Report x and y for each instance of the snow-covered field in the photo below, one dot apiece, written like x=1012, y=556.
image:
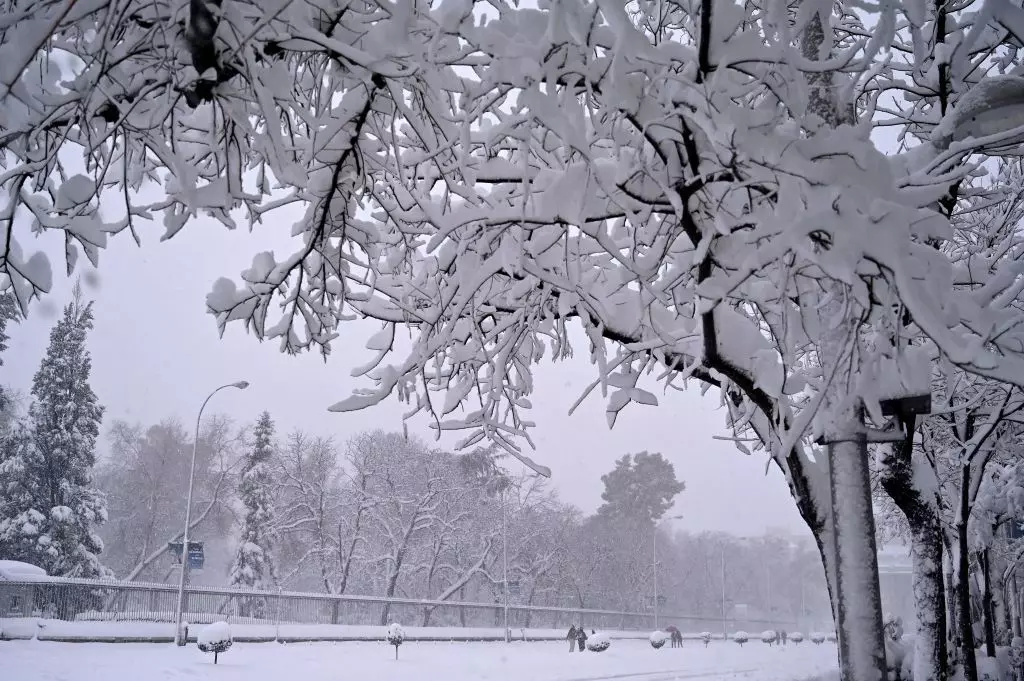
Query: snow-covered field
x=625, y=661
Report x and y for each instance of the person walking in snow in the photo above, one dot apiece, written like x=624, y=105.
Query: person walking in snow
x=581, y=638
x=784, y=636
x=572, y=638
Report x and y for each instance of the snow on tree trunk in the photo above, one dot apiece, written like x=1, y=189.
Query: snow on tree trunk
x=859, y=605
x=909, y=494
x=929, y=603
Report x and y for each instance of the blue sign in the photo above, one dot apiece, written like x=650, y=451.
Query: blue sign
x=196, y=557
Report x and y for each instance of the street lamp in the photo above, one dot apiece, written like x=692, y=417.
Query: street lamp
x=179, y=635
x=655, y=546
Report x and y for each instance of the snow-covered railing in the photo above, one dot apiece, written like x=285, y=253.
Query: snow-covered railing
x=103, y=600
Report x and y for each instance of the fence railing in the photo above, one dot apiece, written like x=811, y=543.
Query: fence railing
x=102, y=600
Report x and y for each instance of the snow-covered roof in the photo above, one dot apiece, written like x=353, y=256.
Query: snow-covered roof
x=17, y=571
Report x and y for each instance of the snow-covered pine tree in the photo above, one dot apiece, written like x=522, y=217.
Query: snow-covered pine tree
x=253, y=566
x=50, y=508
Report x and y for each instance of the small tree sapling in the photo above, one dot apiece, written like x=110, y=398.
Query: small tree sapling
x=215, y=638
x=396, y=636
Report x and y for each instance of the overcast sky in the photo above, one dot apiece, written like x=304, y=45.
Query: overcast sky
x=156, y=354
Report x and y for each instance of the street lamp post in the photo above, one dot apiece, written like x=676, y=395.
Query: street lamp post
x=504, y=557
x=179, y=635
x=725, y=622
x=655, y=547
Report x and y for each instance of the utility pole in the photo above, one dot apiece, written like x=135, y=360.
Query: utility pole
x=655, y=545
x=504, y=559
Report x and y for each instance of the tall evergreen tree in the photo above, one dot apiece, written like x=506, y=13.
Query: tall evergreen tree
x=253, y=566
x=50, y=509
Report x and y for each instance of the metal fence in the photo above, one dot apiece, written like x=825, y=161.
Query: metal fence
x=85, y=600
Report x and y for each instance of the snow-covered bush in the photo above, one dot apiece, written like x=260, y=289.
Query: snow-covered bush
x=396, y=636
x=817, y=637
x=658, y=639
x=599, y=642
x=769, y=636
x=215, y=638
x=706, y=637
x=741, y=637
x=832, y=637
x=796, y=637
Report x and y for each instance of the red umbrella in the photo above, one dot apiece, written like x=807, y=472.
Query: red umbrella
x=671, y=627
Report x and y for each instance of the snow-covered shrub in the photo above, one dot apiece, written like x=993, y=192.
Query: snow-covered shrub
x=599, y=642
x=796, y=637
x=741, y=637
x=215, y=638
x=658, y=639
x=817, y=637
x=769, y=636
x=396, y=636
x=706, y=637
x=832, y=637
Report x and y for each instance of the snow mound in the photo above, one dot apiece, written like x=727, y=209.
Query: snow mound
x=741, y=637
x=598, y=642
x=17, y=571
x=658, y=638
x=214, y=636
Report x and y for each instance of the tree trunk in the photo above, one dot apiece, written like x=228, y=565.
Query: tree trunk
x=963, y=583
x=986, y=604
x=952, y=621
x=858, y=602
x=926, y=546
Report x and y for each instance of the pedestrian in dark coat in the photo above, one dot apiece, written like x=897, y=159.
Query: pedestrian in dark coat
x=571, y=636
x=581, y=638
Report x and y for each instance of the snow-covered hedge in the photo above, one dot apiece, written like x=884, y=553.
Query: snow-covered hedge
x=598, y=642
x=741, y=637
x=796, y=637
x=832, y=637
x=215, y=638
x=769, y=636
x=817, y=637
x=658, y=639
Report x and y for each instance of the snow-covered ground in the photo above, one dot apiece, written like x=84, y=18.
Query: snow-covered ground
x=626, y=660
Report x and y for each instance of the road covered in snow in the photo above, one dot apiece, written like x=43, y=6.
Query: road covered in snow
x=624, y=661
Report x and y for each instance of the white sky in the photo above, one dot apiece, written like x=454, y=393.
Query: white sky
x=156, y=354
